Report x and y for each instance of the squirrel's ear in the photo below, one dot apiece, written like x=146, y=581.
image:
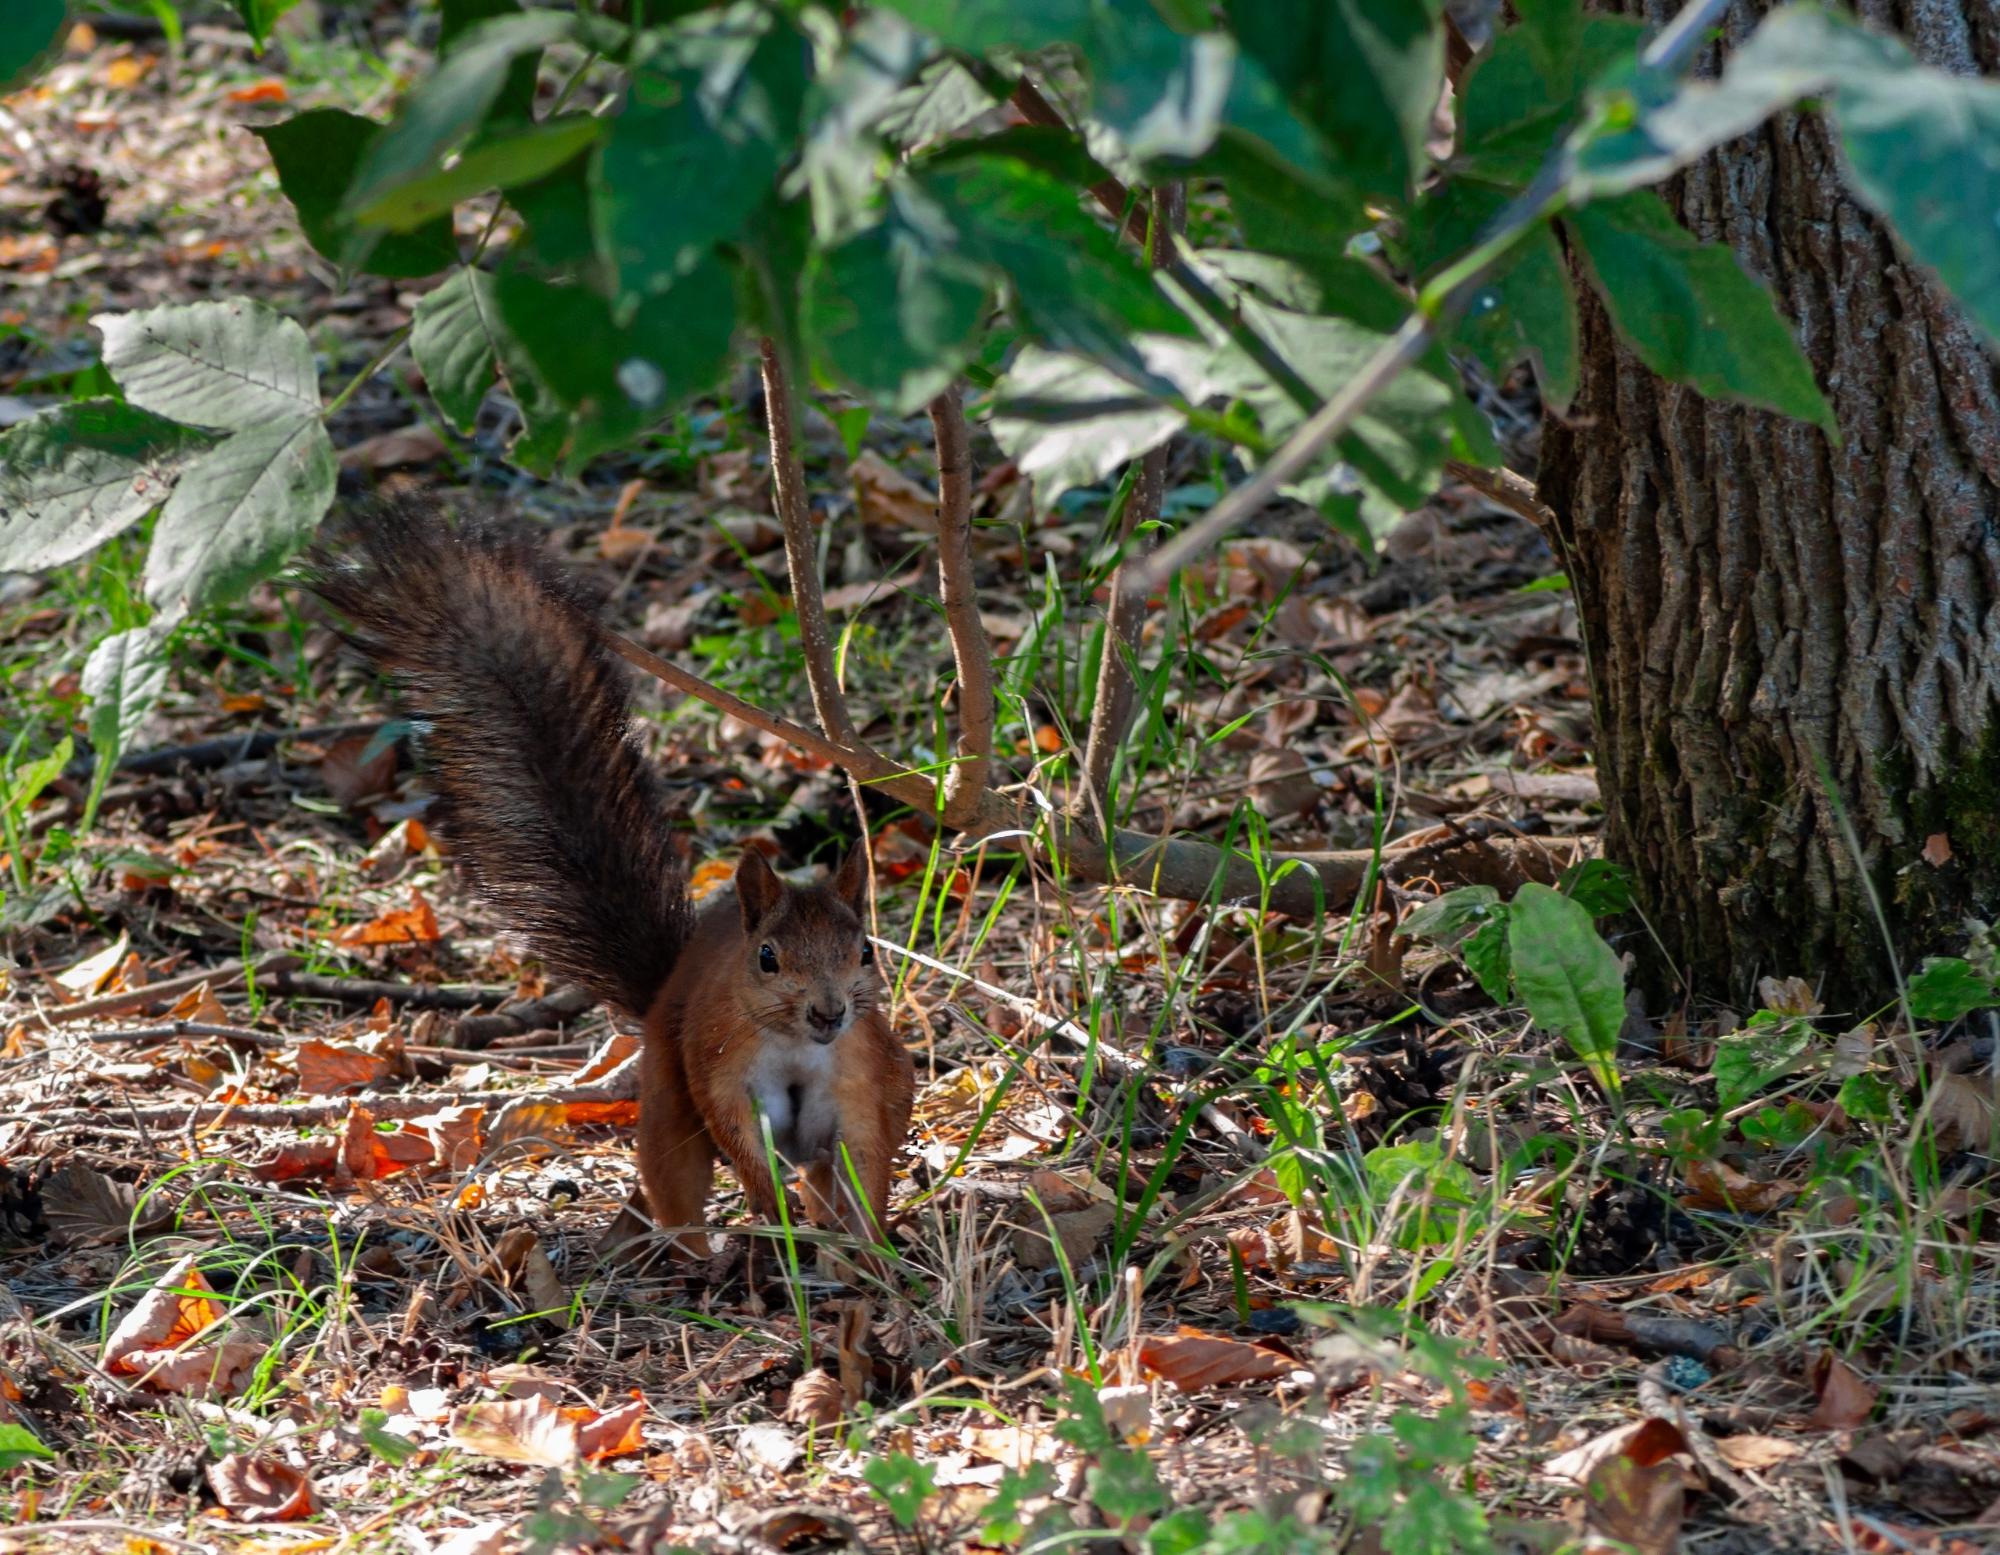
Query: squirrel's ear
x=850, y=881
x=757, y=888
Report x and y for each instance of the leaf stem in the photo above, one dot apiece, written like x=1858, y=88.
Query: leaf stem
x=376, y=363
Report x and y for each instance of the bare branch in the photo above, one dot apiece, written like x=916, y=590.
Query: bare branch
x=1117, y=668
x=967, y=780
x=788, y=491
x=1508, y=489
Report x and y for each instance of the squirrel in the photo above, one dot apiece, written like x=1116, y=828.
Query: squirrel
x=765, y=1007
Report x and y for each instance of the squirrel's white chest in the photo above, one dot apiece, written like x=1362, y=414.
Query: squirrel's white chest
x=792, y=1086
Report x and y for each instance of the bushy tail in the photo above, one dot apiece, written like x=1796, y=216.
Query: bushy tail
x=547, y=802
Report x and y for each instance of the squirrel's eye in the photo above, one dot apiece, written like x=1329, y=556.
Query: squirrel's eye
x=767, y=959
x=867, y=954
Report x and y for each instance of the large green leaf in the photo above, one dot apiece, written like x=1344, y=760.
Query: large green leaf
x=449, y=105
x=975, y=26
x=842, y=161
x=1068, y=422
x=944, y=99
x=1524, y=306
x=1690, y=310
x=260, y=16
x=123, y=679
x=559, y=236
x=1568, y=977
x=1923, y=149
x=32, y=30
x=239, y=511
x=1525, y=91
x=317, y=154
x=1073, y=284
x=456, y=343
x=1365, y=73
x=697, y=150
x=232, y=364
x=74, y=476
x=584, y=381
x=895, y=310
x=496, y=159
x=456, y=18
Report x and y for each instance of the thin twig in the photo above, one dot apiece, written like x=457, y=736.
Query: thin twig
x=1110, y=193
x=1508, y=489
x=967, y=780
x=323, y=1114
x=132, y=998
x=1117, y=667
x=788, y=493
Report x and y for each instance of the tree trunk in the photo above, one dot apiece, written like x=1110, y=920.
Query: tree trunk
x=1768, y=614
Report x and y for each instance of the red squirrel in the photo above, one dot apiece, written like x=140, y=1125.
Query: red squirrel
x=765, y=1002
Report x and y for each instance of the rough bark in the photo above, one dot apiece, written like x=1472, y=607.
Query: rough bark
x=1761, y=605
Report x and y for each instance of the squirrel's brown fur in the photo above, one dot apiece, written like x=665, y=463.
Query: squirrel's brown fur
x=767, y=1001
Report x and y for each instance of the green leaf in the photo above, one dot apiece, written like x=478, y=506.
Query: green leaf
x=1568, y=977
x=234, y=365
x=1866, y=1098
x=458, y=17
x=1447, y=1190
x=1068, y=422
x=943, y=100
x=843, y=160
x=1365, y=73
x=74, y=476
x=1182, y=1532
x=1690, y=310
x=1451, y=917
x=895, y=311
x=260, y=16
x=903, y=1483
x=456, y=342
x=1002, y=1521
x=1923, y=151
x=1600, y=886
x=1124, y=1485
x=1525, y=307
x=697, y=150
x=317, y=154
x=560, y=238
x=451, y=103
x=1072, y=283
x=34, y=28
x=1164, y=94
x=123, y=678
x=239, y=510
x=1435, y=1519
x=496, y=160
x=975, y=26
x=585, y=382
x=1524, y=92
x=1780, y=1128
x=1757, y=1056
x=1489, y=959
x=19, y=1445
x=392, y=1447
x=1948, y=987
x=25, y=784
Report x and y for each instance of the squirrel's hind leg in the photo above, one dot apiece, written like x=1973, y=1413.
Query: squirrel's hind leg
x=676, y=1152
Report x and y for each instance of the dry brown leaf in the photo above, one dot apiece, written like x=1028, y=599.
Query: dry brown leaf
x=413, y=925
x=1637, y=1506
x=174, y=1341
x=85, y=1208
x=453, y=1133
x=328, y=1068
x=527, y=1129
x=1015, y=1446
x=367, y=1155
x=259, y=1488
x=200, y=1005
x=299, y=1158
x=1845, y=1400
x=883, y=494
x=520, y=1430
x=1788, y=995
x=1077, y=1230
x=1192, y=1360
x=1718, y=1185
x=1937, y=850
x=1645, y=1442
x=489, y=1538
x=815, y=1399
x=612, y=1434
x=89, y=975
x=1752, y=1453
x=358, y=767
x=611, y=1052
x=525, y=1267
x=1964, y=1108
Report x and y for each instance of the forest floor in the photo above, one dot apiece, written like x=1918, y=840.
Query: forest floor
x=1216, y=1230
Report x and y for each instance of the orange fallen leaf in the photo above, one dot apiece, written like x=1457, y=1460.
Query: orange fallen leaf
x=519, y=1430
x=259, y=1488
x=612, y=1434
x=1718, y=1185
x=173, y=1338
x=412, y=925
x=328, y=1068
x=299, y=1158
x=368, y=1155
x=1645, y=1442
x=1191, y=1360
x=1845, y=1400
x=269, y=90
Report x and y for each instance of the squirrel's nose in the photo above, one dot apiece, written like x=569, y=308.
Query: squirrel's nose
x=826, y=1026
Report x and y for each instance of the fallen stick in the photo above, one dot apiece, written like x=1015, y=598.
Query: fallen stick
x=321, y=1114
x=217, y=979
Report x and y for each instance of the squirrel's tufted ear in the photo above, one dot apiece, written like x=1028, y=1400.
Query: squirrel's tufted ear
x=757, y=888
x=850, y=881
